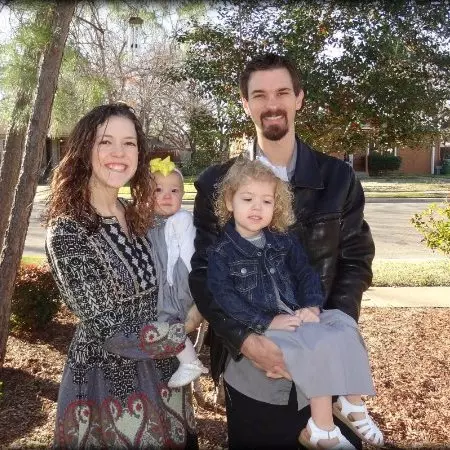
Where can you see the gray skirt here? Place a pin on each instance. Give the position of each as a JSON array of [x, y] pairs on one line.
[[326, 358]]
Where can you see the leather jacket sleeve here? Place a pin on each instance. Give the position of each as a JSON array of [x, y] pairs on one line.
[[231, 332], [308, 289], [356, 252]]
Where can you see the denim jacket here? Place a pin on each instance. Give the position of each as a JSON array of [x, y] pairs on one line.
[[243, 278]]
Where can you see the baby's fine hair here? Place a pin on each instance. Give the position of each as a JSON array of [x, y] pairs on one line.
[[177, 171], [243, 171]]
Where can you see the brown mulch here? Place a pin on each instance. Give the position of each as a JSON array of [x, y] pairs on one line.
[[410, 356]]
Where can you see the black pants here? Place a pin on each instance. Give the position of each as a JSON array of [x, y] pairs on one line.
[[256, 425], [191, 441]]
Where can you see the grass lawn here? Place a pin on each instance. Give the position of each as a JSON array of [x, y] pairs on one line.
[[37, 260], [189, 191], [407, 186], [386, 272], [394, 273], [401, 186]]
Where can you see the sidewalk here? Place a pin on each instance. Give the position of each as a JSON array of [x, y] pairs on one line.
[[408, 297]]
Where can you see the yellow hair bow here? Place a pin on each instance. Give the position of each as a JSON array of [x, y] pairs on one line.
[[165, 166]]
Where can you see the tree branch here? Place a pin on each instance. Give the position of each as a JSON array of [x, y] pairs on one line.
[[101, 30]]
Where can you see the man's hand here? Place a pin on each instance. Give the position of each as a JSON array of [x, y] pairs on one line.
[[265, 355], [308, 314], [286, 322]]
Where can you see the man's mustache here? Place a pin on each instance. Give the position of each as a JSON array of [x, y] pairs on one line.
[[278, 112]]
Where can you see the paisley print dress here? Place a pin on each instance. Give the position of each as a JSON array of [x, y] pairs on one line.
[[113, 392]]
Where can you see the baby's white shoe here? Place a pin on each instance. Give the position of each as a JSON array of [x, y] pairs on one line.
[[186, 373]]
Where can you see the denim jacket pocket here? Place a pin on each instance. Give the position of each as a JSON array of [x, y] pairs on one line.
[[245, 275], [280, 265]]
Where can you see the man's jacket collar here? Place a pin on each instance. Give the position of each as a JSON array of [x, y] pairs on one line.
[[307, 173]]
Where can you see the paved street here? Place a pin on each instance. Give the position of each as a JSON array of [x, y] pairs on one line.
[[394, 235]]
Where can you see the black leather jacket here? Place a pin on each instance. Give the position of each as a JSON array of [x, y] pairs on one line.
[[329, 204]]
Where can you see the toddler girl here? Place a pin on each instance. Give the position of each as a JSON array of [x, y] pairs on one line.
[[172, 240], [260, 275]]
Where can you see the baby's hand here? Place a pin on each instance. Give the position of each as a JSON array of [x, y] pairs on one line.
[[308, 314], [193, 319], [285, 322]]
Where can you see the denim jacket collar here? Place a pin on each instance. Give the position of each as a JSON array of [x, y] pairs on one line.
[[246, 247]]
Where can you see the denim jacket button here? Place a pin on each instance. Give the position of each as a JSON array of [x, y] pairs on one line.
[[272, 270], [243, 270]]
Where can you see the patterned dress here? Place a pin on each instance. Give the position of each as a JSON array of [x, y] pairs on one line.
[[113, 392]]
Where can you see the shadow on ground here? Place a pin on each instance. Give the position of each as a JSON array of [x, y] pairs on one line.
[[22, 393]]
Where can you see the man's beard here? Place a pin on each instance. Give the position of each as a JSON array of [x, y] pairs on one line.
[[274, 132]]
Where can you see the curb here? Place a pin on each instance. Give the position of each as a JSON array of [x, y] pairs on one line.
[[406, 200]]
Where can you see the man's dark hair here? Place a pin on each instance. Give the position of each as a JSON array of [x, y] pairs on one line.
[[269, 61]]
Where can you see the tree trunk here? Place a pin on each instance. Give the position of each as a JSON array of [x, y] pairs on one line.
[[12, 159], [17, 130], [34, 147]]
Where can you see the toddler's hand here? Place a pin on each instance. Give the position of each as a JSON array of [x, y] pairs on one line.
[[285, 322], [315, 310], [307, 315]]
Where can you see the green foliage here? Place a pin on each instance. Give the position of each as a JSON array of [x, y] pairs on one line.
[[200, 160], [445, 167], [19, 57], [381, 163], [434, 224], [79, 90], [207, 142], [378, 66], [204, 131], [215, 56], [36, 298]]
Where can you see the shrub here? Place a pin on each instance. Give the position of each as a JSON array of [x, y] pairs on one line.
[[36, 298], [200, 160], [434, 224], [380, 163]]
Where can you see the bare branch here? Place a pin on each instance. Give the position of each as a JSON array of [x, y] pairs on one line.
[[101, 30]]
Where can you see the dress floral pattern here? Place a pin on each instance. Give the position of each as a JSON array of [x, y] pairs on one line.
[[113, 391]]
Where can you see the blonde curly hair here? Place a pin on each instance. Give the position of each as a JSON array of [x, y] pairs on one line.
[[244, 170]]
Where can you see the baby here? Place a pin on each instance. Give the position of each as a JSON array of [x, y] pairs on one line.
[[172, 239]]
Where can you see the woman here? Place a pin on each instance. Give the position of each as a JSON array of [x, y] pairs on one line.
[[114, 390]]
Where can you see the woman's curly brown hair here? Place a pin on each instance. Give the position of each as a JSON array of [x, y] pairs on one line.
[[241, 172], [70, 194]]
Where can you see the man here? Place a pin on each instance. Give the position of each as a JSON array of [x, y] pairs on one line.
[[329, 204]]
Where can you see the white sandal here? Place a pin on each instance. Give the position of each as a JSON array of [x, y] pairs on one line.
[[317, 434], [366, 429]]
